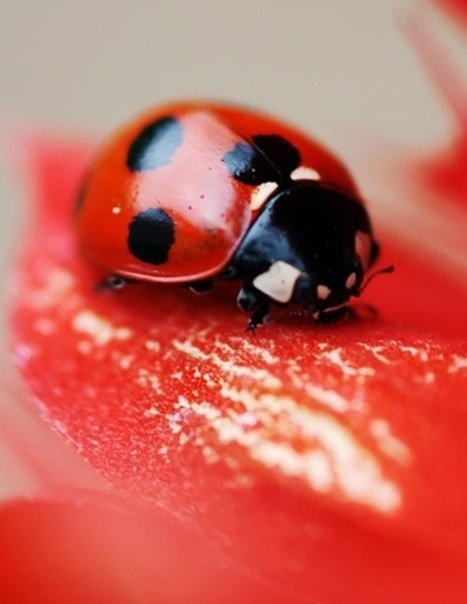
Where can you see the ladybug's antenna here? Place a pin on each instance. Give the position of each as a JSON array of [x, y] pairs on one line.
[[385, 269]]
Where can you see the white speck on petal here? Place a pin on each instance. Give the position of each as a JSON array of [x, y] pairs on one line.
[[330, 398], [100, 330], [44, 326], [457, 364], [183, 439], [85, 347], [210, 455], [258, 351], [147, 379], [23, 353], [335, 357], [377, 353], [152, 345], [420, 353], [388, 443], [125, 362], [152, 412], [264, 376], [58, 284], [247, 420]]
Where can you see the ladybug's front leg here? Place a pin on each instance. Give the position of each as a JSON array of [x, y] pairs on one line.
[[199, 287], [250, 299], [113, 283], [258, 316]]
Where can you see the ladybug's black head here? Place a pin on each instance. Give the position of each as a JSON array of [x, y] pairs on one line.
[[310, 245], [327, 290]]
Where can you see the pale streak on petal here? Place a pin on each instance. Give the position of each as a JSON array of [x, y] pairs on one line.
[[263, 354], [419, 353], [335, 357], [100, 330], [388, 443], [320, 449], [330, 398], [332, 460], [54, 290], [377, 352], [458, 363], [230, 367]]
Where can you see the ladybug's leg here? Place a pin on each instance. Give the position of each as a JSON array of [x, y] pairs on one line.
[[250, 299], [113, 282], [362, 310], [258, 316], [200, 287], [332, 316]]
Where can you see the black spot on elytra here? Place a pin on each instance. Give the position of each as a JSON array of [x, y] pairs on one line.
[[279, 151], [155, 145], [269, 158], [247, 165], [151, 234]]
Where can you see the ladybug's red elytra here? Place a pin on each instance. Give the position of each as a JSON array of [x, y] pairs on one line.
[[192, 192]]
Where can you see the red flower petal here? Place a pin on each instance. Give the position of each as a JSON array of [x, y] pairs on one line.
[[457, 8], [444, 173], [94, 550], [306, 453]]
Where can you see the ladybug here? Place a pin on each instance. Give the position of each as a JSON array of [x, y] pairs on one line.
[[191, 192]]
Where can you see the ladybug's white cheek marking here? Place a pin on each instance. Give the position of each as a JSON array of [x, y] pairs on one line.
[[261, 193], [363, 247], [305, 173], [323, 292], [351, 281], [278, 282]]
